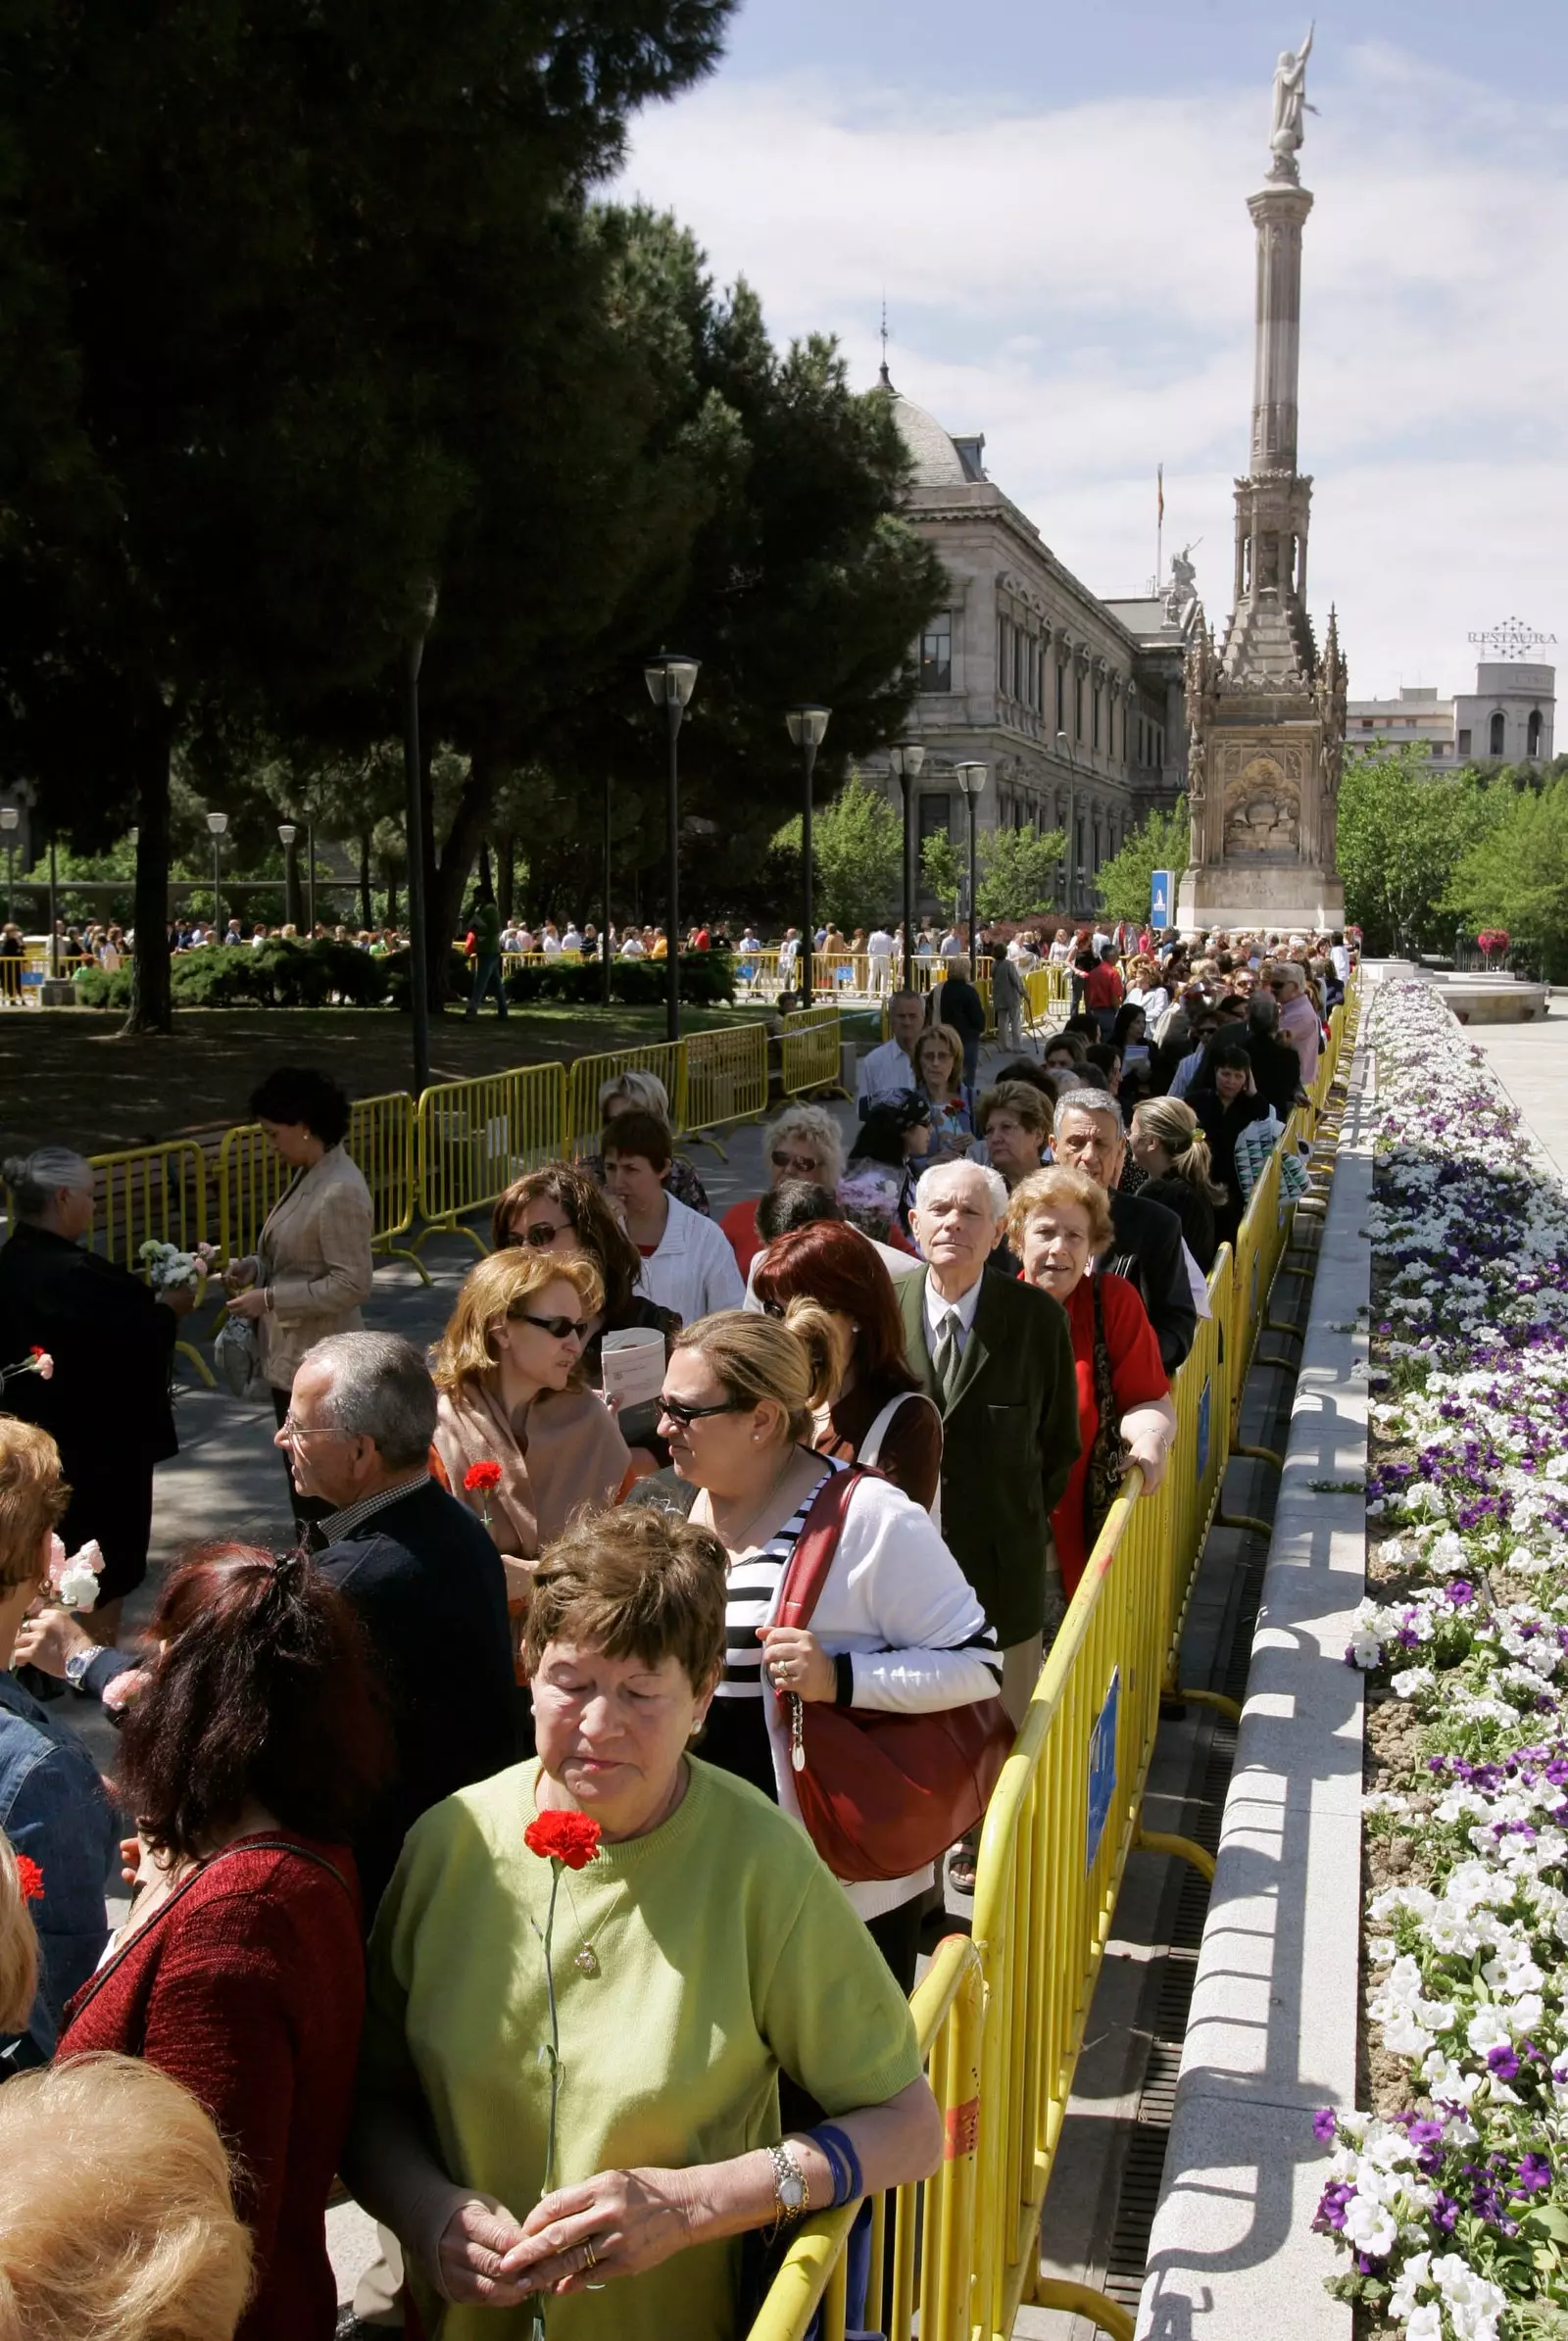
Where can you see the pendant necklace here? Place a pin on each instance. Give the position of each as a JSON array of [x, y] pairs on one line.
[[586, 1960]]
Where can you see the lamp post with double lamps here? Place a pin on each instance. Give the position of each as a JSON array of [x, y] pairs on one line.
[[217, 825], [971, 780], [907, 759], [287, 832], [808, 728], [10, 817], [672, 679], [1072, 871]]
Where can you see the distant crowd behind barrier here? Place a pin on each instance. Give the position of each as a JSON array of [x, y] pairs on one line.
[[1001, 2015]]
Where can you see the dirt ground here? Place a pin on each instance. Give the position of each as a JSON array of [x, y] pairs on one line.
[[69, 1074]]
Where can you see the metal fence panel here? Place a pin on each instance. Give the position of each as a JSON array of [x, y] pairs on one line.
[[726, 1075], [808, 1052], [474, 1138], [665, 1058]]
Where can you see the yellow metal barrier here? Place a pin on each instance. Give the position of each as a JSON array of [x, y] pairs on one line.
[[474, 1138], [11, 977], [151, 1195], [252, 1176], [726, 1078], [664, 1059], [808, 1052], [927, 2241]]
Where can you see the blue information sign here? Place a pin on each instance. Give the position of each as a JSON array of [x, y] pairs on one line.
[[1102, 1768], [1162, 899]]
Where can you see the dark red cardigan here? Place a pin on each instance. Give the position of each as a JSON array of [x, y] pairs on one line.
[[249, 1988]]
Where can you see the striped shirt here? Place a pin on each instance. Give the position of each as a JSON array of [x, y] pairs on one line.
[[736, 1737]]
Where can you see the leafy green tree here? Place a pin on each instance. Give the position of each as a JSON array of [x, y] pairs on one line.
[[1403, 830], [1020, 871], [1516, 877], [1161, 842], [940, 867], [858, 844]]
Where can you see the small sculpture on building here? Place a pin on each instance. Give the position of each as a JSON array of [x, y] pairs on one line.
[[1290, 102]]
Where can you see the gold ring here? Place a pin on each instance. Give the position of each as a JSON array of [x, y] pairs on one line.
[[592, 2260]]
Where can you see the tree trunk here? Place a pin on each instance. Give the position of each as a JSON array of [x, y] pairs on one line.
[[391, 901], [485, 775], [367, 904], [151, 1002], [506, 876]]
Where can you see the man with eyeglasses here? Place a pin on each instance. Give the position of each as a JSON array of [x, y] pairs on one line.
[[1299, 1020]]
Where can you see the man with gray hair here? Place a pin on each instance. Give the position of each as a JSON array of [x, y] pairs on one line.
[[996, 1358], [1087, 1135], [417, 1567], [105, 1402]]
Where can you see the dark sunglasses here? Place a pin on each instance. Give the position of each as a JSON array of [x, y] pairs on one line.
[[538, 1238], [559, 1329], [687, 1415], [795, 1163]]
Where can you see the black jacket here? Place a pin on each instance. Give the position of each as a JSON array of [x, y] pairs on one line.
[[1010, 1441], [1147, 1249], [428, 1585], [1222, 1125], [960, 1006], [1276, 1069], [1194, 1209]]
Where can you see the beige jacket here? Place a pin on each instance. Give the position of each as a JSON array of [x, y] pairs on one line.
[[314, 1260]]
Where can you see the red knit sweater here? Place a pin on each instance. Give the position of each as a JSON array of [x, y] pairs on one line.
[[249, 1988]]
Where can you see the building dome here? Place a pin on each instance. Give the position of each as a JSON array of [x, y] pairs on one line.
[[935, 454]]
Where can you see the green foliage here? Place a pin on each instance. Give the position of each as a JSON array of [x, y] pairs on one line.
[[940, 868], [1516, 876], [706, 981], [274, 975], [1403, 831], [1161, 841], [1020, 871], [858, 844]]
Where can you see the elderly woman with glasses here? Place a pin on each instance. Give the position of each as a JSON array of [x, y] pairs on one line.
[[519, 1438], [897, 1624], [803, 1143]]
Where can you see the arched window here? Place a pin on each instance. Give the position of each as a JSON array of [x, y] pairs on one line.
[[1494, 743], [1533, 732]]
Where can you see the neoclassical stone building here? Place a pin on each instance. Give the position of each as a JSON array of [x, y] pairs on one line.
[[1025, 654]]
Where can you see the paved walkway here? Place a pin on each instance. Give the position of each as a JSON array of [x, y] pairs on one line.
[[1532, 1062]]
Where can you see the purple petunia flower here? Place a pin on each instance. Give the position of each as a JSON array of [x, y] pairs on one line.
[[1535, 2175], [1324, 2125], [1501, 2061]]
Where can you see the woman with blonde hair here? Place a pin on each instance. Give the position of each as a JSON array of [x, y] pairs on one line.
[[115, 2218], [52, 1802], [1169, 1145], [521, 1440], [1058, 1223], [938, 1071], [801, 1142], [897, 1624]]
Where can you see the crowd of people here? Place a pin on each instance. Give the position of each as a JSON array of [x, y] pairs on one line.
[[528, 1845]]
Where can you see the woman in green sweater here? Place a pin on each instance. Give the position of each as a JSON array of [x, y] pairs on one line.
[[696, 1947]]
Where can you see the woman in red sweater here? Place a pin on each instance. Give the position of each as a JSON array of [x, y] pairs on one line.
[[1058, 1222], [247, 1757]]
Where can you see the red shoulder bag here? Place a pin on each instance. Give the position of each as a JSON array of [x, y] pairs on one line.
[[880, 1795]]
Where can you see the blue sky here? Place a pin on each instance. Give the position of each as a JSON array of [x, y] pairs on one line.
[[1053, 202]]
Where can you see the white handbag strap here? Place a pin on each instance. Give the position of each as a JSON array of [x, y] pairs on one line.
[[871, 1444]]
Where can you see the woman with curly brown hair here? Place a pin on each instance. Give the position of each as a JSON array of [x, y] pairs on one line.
[[253, 1748]]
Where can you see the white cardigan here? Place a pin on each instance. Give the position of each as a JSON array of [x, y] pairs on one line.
[[693, 1272], [898, 1602]]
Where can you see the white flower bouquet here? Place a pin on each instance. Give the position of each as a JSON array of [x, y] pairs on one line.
[[74, 1576], [169, 1268]]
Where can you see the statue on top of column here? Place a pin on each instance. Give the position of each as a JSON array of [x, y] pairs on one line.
[[1289, 104]]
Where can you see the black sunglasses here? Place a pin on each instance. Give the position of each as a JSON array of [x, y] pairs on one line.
[[558, 1328], [685, 1415], [537, 1239]]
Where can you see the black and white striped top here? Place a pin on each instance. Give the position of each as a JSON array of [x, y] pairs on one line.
[[736, 1737]]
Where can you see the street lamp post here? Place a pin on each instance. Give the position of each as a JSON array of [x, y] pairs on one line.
[[971, 779], [808, 728], [905, 759], [217, 825], [54, 912], [604, 940], [1065, 745], [424, 616], [672, 679], [9, 819], [287, 832]]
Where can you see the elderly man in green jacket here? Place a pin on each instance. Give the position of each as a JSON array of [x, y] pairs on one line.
[[995, 1356]]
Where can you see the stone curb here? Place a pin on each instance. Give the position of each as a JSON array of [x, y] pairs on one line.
[[1274, 2016]]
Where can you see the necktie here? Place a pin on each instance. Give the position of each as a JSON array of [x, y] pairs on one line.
[[946, 1358]]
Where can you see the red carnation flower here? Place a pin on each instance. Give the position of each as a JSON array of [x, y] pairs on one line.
[[480, 1477], [30, 1877], [570, 1837]]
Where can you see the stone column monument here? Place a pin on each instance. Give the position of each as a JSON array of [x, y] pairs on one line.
[[1266, 713]]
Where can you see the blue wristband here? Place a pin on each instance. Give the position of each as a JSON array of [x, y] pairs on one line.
[[838, 2148]]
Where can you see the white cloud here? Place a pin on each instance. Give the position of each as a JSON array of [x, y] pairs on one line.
[[1076, 280]]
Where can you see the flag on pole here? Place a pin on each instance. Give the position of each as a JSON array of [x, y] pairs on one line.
[[1163, 495]]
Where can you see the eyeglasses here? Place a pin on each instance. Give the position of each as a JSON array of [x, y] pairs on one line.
[[538, 1238], [294, 1431], [679, 1412], [559, 1329], [805, 1163]]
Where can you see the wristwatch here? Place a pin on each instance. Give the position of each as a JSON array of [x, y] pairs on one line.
[[76, 1665], [791, 2192]]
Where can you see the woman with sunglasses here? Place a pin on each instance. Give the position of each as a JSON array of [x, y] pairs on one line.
[[897, 1624], [561, 1213], [511, 1395], [803, 1143]]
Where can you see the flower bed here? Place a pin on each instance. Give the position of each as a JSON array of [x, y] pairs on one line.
[[1450, 2192]]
